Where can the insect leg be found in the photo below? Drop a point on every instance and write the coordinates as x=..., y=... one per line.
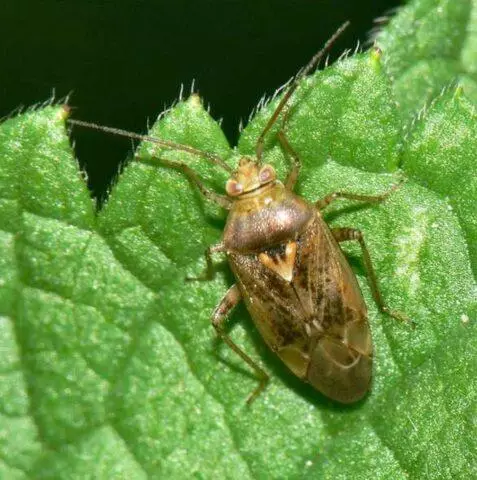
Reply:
x=209, y=269
x=345, y=234
x=231, y=298
x=324, y=202
x=295, y=170
x=221, y=200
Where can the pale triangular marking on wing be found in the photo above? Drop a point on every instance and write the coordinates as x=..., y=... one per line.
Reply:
x=282, y=265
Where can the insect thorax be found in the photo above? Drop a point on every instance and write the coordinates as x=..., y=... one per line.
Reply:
x=267, y=217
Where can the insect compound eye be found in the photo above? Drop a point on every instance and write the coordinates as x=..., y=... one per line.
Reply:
x=267, y=174
x=233, y=188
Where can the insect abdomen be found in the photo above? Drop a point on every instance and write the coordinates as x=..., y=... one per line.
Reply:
x=340, y=370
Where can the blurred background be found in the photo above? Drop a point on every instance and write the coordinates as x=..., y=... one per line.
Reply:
x=124, y=62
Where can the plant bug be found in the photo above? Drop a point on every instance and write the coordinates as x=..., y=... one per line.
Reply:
x=291, y=273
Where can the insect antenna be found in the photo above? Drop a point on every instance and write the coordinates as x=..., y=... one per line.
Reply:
x=293, y=86
x=163, y=143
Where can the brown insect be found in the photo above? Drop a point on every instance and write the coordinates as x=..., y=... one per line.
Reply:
x=291, y=273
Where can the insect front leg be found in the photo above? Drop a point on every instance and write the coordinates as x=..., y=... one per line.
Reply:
x=324, y=202
x=209, y=272
x=232, y=298
x=215, y=197
x=346, y=234
x=296, y=166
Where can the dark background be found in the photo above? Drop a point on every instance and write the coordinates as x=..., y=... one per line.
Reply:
x=124, y=61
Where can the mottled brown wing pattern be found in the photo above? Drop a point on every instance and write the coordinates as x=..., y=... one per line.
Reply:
x=340, y=354
x=268, y=297
x=325, y=282
x=316, y=323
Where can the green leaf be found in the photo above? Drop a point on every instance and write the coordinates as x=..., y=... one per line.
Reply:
x=110, y=367
x=440, y=155
x=430, y=44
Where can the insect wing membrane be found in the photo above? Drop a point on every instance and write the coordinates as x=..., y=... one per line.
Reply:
x=305, y=301
x=341, y=357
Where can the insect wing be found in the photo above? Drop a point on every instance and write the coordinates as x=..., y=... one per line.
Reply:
x=306, y=303
x=274, y=307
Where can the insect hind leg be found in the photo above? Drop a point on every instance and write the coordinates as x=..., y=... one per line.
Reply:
x=221, y=312
x=348, y=234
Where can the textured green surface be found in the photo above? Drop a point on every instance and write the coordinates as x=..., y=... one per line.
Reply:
x=428, y=45
x=109, y=366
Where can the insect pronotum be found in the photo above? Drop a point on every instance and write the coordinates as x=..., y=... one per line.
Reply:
x=291, y=273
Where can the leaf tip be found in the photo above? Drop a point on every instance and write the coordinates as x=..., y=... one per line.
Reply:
x=194, y=101
x=64, y=112
x=376, y=55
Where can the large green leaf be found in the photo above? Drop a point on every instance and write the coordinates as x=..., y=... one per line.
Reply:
x=110, y=368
